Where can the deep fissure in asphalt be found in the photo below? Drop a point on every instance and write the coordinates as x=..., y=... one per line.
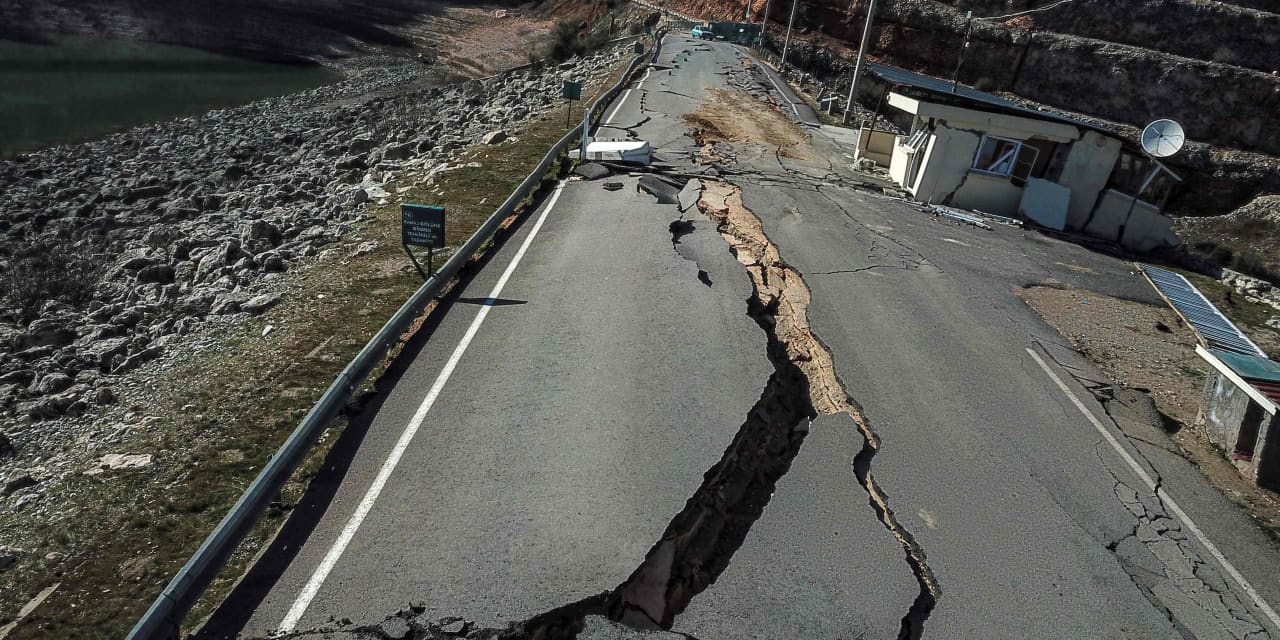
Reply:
x=781, y=288
x=700, y=541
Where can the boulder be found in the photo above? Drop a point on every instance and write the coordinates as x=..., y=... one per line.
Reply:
x=133, y=361
x=227, y=303
x=399, y=151
x=53, y=383
x=360, y=145
x=260, y=303
x=494, y=137
x=117, y=461
x=259, y=235
x=9, y=556
x=17, y=483
x=44, y=332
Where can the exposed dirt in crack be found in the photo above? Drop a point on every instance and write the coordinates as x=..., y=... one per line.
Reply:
x=724, y=116
x=782, y=289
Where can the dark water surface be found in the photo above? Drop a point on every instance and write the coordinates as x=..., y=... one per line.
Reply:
x=84, y=88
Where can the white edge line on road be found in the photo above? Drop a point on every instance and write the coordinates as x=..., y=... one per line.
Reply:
x=1163, y=495
x=781, y=93
x=389, y=465
x=626, y=95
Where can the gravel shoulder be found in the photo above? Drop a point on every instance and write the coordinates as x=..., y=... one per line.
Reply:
x=1148, y=349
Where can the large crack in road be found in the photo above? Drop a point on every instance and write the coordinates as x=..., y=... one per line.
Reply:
x=781, y=288
x=700, y=541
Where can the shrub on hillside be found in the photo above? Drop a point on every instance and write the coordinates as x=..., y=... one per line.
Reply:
x=35, y=271
x=567, y=41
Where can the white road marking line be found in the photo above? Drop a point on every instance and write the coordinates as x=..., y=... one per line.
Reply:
x=626, y=95
x=768, y=75
x=366, y=504
x=1168, y=499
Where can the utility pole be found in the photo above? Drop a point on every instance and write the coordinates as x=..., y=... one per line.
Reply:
x=764, y=23
x=862, y=56
x=787, y=42
x=968, y=28
x=747, y=17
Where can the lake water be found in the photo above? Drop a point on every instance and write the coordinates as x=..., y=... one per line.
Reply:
x=85, y=88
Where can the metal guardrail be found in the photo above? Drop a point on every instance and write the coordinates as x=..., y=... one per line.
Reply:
x=163, y=619
x=666, y=11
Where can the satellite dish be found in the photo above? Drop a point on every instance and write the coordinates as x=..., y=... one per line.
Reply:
x=1163, y=138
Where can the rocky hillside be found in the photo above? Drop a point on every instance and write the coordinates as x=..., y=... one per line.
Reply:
x=1213, y=66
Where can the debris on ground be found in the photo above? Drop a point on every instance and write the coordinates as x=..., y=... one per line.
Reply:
x=660, y=188
x=592, y=170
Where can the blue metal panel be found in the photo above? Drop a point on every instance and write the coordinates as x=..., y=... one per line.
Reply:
x=1213, y=328
x=1251, y=368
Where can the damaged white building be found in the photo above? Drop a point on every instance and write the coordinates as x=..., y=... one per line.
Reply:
x=973, y=150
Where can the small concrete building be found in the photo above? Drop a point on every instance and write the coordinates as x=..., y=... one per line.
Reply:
x=1239, y=412
x=1239, y=409
x=973, y=150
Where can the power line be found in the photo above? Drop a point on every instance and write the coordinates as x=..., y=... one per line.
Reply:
x=1023, y=13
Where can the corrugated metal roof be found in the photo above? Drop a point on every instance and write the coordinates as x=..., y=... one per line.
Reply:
x=1213, y=328
x=894, y=75
x=1268, y=389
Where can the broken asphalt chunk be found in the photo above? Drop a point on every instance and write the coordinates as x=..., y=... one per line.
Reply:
x=689, y=195
x=592, y=170
x=664, y=191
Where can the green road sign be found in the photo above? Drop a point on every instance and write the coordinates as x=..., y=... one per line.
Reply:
x=422, y=226
x=572, y=90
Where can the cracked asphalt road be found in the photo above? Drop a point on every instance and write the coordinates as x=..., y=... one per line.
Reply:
x=589, y=457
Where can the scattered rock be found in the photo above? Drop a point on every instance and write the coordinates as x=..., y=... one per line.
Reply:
x=260, y=303
x=17, y=483
x=117, y=461
x=457, y=627
x=395, y=628
x=53, y=383
x=9, y=556
x=227, y=303
x=104, y=395
x=494, y=137
x=364, y=249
